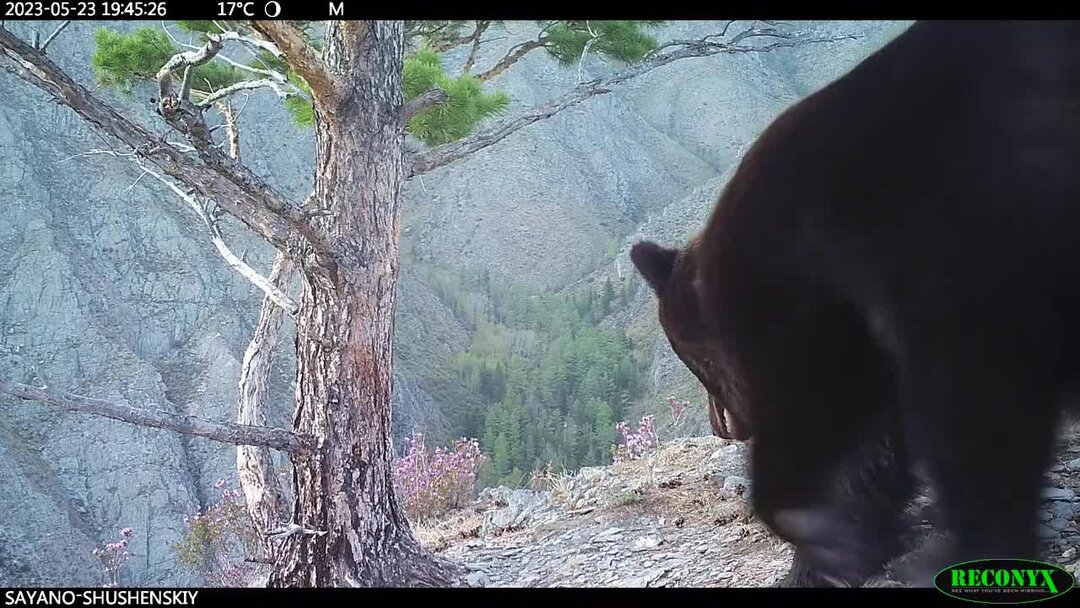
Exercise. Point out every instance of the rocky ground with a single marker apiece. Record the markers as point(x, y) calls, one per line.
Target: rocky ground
point(679, 517)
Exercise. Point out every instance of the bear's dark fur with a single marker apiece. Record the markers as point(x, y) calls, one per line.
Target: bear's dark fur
point(889, 287)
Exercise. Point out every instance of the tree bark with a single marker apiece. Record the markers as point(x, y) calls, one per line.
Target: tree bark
point(345, 329)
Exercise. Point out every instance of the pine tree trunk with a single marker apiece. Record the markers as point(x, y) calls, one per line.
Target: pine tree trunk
point(345, 329)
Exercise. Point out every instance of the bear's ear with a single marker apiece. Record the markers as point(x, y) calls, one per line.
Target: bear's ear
point(654, 262)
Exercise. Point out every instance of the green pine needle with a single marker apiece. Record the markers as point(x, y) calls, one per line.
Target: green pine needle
point(466, 102)
point(121, 59)
point(625, 41)
point(212, 76)
point(203, 27)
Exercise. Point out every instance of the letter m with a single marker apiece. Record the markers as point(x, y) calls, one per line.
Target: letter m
point(337, 9)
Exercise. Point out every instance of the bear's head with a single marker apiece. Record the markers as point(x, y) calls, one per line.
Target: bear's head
point(672, 275)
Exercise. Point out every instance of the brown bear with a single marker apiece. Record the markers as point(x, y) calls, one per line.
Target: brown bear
point(888, 290)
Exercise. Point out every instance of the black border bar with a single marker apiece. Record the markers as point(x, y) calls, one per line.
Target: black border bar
point(592, 597)
point(140, 10)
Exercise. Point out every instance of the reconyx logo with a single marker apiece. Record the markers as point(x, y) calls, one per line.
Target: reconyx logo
point(1004, 581)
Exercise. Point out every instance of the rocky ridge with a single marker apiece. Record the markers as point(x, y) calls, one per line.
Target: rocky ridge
point(679, 517)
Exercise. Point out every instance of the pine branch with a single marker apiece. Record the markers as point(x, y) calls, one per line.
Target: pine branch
point(170, 107)
point(237, 434)
point(481, 27)
point(238, 191)
point(301, 56)
point(430, 160)
point(513, 56)
point(445, 44)
point(428, 99)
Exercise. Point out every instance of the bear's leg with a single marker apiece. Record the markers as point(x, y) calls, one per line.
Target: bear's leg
point(829, 471)
point(869, 490)
point(846, 522)
point(981, 418)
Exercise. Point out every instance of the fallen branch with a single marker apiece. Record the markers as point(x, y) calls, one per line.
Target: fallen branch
point(238, 434)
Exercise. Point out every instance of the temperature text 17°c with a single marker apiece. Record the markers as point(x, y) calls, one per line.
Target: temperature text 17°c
point(249, 9)
point(271, 9)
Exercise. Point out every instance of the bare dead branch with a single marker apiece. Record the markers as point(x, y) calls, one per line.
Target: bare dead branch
point(581, 62)
point(249, 41)
point(246, 41)
point(425, 162)
point(249, 273)
point(239, 434)
point(750, 32)
point(243, 195)
point(292, 528)
point(301, 56)
point(52, 36)
point(232, 130)
point(254, 465)
point(244, 85)
point(428, 99)
point(186, 60)
point(276, 295)
point(185, 87)
point(274, 75)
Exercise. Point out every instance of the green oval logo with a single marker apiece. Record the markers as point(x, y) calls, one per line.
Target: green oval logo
point(1004, 581)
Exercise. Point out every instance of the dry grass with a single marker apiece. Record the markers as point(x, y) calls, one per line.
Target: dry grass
point(438, 534)
point(684, 495)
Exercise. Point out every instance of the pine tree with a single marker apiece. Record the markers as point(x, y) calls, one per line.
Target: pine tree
point(361, 85)
point(607, 298)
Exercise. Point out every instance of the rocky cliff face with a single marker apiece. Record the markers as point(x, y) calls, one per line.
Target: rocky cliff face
point(110, 288)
